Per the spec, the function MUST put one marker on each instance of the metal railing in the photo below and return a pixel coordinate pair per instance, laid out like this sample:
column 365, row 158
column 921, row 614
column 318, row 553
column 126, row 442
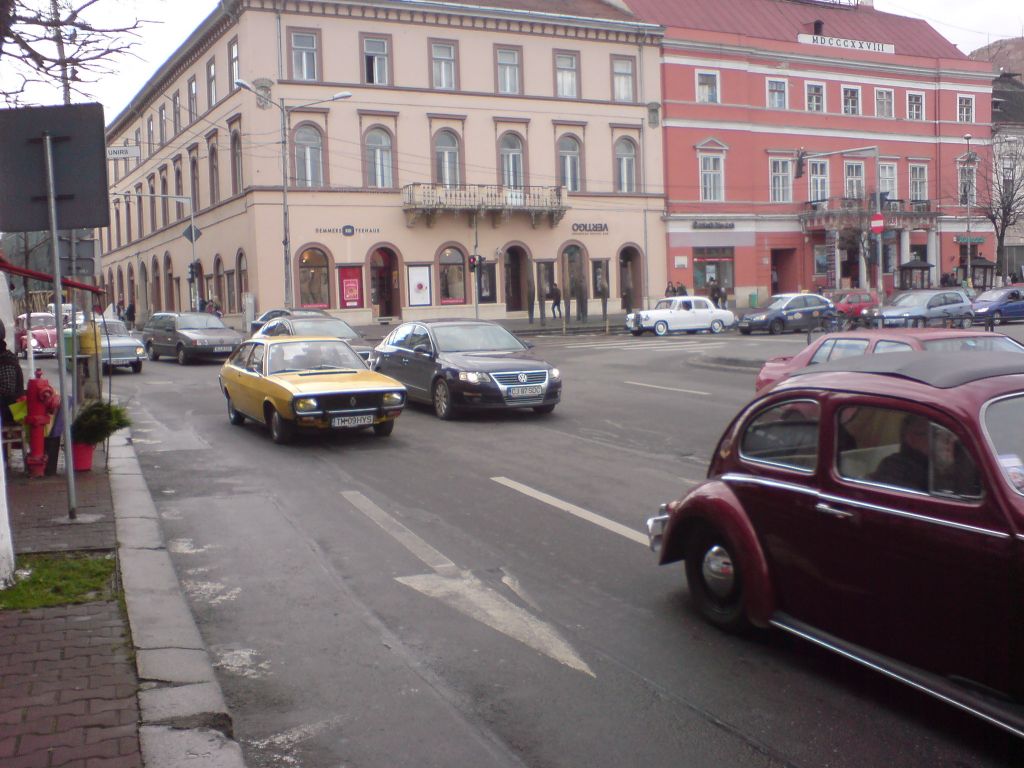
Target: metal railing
column 483, row 197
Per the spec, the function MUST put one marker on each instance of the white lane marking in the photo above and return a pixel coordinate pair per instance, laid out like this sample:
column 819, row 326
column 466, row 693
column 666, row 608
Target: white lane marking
column 670, row 389
column 243, row 662
column 286, row 741
column 465, row 593
column 572, row 509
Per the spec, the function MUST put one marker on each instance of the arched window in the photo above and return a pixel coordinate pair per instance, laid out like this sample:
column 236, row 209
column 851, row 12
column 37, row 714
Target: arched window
column 110, row 285
column 120, row 285
column 214, row 175
column 193, row 168
column 314, row 285
column 236, row 162
column 156, row 296
column 378, row 159
column 218, row 281
column 164, row 215
column 143, row 294
column 179, row 190
column 569, row 163
column 309, row 157
column 625, row 166
column 511, row 149
column 131, row 285
column 168, row 283
column 117, row 225
column 452, row 276
column 242, row 274
column 446, row 159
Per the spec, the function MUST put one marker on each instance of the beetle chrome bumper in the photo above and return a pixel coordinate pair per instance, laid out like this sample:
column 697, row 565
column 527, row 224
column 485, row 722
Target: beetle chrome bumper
column 656, row 528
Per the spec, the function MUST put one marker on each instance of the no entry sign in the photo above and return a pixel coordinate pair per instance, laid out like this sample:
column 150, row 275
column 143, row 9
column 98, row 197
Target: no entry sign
column 877, row 223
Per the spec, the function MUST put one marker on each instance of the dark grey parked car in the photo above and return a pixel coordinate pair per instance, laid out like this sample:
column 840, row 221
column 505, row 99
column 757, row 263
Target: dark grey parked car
column 919, row 309
column 188, row 336
column 317, row 326
column 272, row 314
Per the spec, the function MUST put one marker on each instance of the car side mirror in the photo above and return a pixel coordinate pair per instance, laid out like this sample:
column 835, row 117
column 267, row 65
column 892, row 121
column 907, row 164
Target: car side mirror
column 423, row 349
column 527, row 344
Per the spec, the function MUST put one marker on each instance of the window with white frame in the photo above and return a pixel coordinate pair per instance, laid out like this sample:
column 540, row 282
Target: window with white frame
column 854, row 182
column 776, row 94
column 918, row 182
column 508, row 70
column 707, row 87
column 446, row 159
column 815, row 97
column 193, row 100
column 569, row 163
column 176, row 112
column 915, row 106
column 211, row 82
column 138, row 143
column 149, row 135
column 965, row 109
column 304, row 56
column 622, row 79
column 781, row 181
column 818, row 180
column 625, row 166
column 887, row 180
column 883, row 102
column 309, row 157
column 234, row 72
column 511, row 153
column 566, row 75
column 379, row 170
column 851, row 100
column 712, row 183
column 966, row 185
column 442, row 66
column 375, row 61
column 161, row 124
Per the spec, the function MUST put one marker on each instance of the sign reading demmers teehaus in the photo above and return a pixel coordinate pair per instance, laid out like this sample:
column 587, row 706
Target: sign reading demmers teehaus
column 849, row 45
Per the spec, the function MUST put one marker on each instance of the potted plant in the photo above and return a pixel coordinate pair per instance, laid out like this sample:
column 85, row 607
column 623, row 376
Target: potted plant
column 95, row 423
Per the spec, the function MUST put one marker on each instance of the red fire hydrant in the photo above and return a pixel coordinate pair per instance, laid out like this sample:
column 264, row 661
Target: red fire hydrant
column 42, row 403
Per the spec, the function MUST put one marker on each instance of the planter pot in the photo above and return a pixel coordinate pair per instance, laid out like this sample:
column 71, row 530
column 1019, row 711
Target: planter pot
column 81, row 455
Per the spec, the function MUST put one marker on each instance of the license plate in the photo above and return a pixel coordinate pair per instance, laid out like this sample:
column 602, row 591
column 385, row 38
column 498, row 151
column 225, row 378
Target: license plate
column 352, row 421
column 222, row 349
column 530, row 391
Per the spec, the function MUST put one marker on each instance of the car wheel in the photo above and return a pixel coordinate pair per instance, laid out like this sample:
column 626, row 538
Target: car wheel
column 660, row 328
column 180, row 355
column 137, row 366
column 966, row 322
column 544, row 409
column 443, row 401
column 281, row 430
column 234, row 417
column 151, row 351
column 997, row 318
column 384, row 428
column 717, row 326
column 776, row 327
column 745, row 331
column 715, row 579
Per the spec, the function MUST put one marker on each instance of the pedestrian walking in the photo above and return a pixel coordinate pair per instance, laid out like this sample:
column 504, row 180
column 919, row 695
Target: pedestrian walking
column 670, row 290
column 556, row 299
column 681, row 290
column 129, row 315
column 713, row 291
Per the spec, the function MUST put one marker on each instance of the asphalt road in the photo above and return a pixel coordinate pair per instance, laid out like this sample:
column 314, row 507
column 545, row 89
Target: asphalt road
column 479, row 593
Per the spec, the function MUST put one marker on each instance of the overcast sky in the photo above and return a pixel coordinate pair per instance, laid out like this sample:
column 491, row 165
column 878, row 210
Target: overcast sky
column 969, row 24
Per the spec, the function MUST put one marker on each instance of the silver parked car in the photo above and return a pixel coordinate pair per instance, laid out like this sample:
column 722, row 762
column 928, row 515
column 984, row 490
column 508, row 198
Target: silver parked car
column 119, row 349
column 918, row 309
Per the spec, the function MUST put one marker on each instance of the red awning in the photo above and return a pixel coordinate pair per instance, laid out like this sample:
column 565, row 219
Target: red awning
column 6, row 266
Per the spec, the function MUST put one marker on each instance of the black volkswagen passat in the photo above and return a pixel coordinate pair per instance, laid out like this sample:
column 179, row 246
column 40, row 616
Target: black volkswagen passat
column 463, row 364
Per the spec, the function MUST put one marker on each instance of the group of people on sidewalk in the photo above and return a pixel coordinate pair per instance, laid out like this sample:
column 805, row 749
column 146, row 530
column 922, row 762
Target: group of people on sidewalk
column 716, row 293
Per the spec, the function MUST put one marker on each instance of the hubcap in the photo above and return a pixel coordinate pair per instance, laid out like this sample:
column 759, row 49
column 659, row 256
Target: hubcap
column 718, row 572
column 441, row 399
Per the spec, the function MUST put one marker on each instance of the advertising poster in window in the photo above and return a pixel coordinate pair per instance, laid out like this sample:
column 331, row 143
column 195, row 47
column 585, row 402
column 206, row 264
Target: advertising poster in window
column 419, row 286
column 488, row 286
column 350, row 287
column 452, row 274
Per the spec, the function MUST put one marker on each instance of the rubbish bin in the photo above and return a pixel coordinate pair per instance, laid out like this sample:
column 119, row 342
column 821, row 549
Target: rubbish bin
column 752, row 300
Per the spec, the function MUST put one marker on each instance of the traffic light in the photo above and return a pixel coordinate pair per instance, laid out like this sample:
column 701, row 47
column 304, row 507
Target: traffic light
column 472, row 263
column 191, row 271
column 799, row 164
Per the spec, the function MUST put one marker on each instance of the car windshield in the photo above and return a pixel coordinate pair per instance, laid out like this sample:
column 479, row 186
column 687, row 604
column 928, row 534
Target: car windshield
column 324, row 326
column 778, row 302
column 198, row 322
column 995, row 295
column 293, row 356
column 473, row 337
column 112, row 327
column 663, row 304
column 1004, row 423
column 38, row 321
column 973, row 344
column 910, row 300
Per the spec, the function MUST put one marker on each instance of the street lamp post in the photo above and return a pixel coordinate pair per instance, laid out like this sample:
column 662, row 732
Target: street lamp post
column 969, row 164
column 286, row 113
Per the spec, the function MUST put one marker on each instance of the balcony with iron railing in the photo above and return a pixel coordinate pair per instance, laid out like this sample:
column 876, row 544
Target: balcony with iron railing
column 837, row 213
column 425, row 201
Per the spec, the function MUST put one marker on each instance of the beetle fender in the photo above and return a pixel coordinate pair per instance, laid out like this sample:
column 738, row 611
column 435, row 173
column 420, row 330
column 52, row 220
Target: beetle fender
column 713, row 503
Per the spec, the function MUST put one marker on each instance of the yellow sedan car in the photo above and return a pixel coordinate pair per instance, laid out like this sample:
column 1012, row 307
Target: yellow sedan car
column 290, row 383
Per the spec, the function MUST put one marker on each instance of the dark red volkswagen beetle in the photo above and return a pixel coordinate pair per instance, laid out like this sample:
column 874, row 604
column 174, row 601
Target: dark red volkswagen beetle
column 874, row 507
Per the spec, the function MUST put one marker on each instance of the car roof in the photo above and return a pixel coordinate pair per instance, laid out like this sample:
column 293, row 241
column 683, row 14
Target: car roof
column 290, row 339
column 453, row 321
column 942, row 370
column 921, row 334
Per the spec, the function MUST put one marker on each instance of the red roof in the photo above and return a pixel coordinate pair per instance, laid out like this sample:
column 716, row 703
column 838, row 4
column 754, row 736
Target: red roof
column 590, row 9
column 785, row 19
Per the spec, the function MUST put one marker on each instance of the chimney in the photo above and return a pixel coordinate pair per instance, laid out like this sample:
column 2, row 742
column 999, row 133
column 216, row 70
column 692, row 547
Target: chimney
column 819, row 26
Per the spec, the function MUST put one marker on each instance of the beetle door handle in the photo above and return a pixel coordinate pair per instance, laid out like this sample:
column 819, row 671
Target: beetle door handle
column 842, row 514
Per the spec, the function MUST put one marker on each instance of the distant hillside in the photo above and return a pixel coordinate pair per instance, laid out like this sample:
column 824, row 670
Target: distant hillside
column 1005, row 54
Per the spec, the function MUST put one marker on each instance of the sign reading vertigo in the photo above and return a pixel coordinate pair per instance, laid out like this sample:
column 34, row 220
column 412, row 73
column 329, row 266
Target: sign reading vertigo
column 849, row 45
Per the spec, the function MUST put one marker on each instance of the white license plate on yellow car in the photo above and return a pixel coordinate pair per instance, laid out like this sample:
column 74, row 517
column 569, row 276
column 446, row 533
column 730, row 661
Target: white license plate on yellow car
column 352, row 421
column 529, row 391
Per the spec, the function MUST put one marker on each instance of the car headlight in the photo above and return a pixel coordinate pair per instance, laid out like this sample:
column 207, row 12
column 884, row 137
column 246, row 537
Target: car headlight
column 305, row 404
column 474, row 377
column 393, row 398
column 140, row 350
column 981, row 309
column 555, row 374
column 35, row 342
column 756, row 317
column 864, row 311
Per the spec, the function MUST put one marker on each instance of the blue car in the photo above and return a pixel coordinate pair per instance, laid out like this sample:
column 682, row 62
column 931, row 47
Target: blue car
column 788, row 312
column 1000, row 305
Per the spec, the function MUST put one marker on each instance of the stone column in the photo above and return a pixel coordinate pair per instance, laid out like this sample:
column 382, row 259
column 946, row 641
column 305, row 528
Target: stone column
column 934, row 257
column 904, row 246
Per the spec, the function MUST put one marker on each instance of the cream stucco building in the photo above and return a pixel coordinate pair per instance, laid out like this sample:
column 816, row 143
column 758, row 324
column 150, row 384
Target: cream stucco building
column 418, row 135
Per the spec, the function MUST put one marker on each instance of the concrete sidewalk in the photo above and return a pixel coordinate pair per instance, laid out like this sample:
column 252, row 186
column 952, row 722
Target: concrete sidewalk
column 87, row 686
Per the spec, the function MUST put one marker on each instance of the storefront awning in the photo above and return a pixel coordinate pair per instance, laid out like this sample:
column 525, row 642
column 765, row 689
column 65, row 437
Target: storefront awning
column 6, row 266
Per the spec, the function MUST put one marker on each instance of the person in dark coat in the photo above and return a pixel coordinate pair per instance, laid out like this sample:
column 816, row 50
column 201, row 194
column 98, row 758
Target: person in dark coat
column 556, row 299
column 670, row 290
column 908, row 467
column 681, row 290
column 12, row 381
column 129, row 315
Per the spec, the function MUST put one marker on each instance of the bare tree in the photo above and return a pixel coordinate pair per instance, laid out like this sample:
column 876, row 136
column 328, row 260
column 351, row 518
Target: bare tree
column 1001, row 189
column 58, row 42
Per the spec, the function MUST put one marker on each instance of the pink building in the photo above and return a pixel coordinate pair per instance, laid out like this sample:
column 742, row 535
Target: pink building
column 862, row 102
